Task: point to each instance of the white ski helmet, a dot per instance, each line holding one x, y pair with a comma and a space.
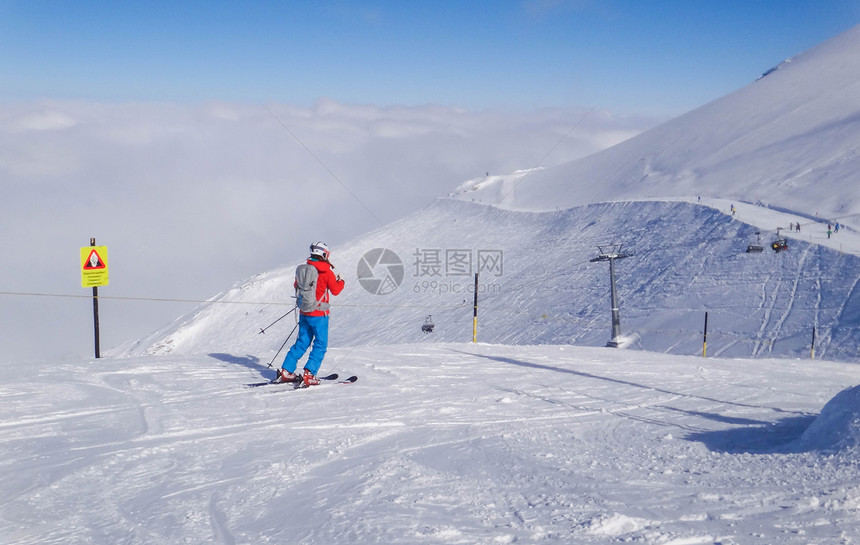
320, 249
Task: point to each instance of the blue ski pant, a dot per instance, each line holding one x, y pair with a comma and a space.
311, 329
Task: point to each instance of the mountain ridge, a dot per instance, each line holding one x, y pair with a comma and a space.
688, 259
777, 140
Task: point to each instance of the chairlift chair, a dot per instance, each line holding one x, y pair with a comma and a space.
780, 243
757, 247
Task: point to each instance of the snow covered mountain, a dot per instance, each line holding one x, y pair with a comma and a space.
688, 259
788, 140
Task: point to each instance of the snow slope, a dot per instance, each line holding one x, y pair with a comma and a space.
688, 259
435, 444
790, 139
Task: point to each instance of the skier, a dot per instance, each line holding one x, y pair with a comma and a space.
313, 323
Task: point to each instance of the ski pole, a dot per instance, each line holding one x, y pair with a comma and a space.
263, 329
283, 345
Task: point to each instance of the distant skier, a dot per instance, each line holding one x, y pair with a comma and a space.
836, 227
798, 227
313, 284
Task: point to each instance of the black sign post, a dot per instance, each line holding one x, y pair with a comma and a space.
96, 311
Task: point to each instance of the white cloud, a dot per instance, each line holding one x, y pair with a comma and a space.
48, 120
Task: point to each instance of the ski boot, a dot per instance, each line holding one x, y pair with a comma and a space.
286, 376
309, 379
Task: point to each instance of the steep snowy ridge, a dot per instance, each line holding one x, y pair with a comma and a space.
790, 139
687, 259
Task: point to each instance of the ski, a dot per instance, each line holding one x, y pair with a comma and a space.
350, 380
333, 376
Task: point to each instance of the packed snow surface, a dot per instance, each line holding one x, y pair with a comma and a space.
435, 444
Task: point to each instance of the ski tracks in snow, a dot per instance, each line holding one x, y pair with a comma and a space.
436, 444
778, 305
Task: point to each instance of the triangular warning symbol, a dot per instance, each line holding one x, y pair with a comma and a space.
94, 261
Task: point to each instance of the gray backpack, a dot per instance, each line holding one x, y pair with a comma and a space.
306, 289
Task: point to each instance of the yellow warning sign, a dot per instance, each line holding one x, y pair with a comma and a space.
94, 266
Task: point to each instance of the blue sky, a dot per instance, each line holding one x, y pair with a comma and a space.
647, 57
